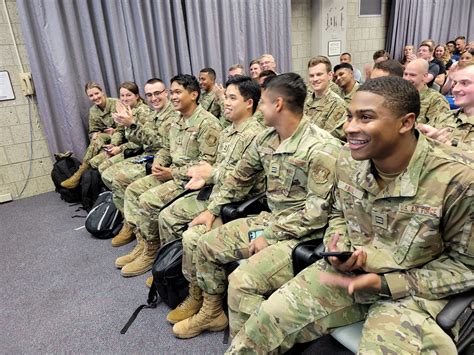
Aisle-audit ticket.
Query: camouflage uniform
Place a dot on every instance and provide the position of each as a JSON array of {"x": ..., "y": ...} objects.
[
  {"x": 98, "y": 121},
  {"x": 141, "y": 112},
  {"x": 300, "y": 175},
  {"x": 417, "y": 231},
  {"x": 462, "y": 134},
  {"x": 327, "y": 112},
  {"x": 233, "y": 142},
  {"x": 191, "y": 140},
  {"x": 348, "y": 97},
  {"x": 432, "y": 105},
  {"x": 211, "y": 103},
  {"x": 153, "y": 135}
]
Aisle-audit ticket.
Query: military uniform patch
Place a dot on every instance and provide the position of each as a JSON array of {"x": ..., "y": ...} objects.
[
  {"x": 320, "y": 175},
  {"x": 211, "y": 140},
  {"x": 420, "y": 209}
]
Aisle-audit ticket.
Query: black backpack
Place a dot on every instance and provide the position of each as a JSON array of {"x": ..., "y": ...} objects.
[
  {"x": 104, "y": 220},
  {"x": 91, "y": 187},
  {"x": 169, "y": 282},
  {"x": 64, "y": 167}
]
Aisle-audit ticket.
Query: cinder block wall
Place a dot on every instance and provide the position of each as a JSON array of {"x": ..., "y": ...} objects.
[
  {"x": 14, "y": 123},
  {"x": 364, "y": 35}
]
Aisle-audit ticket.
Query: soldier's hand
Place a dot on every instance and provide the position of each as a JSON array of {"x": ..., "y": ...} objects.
[
  {"x": 161, "y": 173},
  {"x": 257, "y": 244},
  {"x": 113, "y": 151},
  {"x": 203, "y": 170},
  {"x": 109, "y": 131},
  {"x": 356, "y": 261},
  {"x": 219, "y": 89},
  {"x": 369, "y": 281},
  {"x": 206, "y": 218},
  {"x": 195, "y": 184}
]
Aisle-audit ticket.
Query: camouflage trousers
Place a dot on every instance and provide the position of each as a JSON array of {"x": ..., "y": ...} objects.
[
  {"x": 174, "y": 219},
  {"x": 118, "y": 176},
  {"x": 95, "y": 146},
  {"x": 143, "y": 200},
  {"x": 102, "y": 161},
  {"x": 304, "y": 309}
]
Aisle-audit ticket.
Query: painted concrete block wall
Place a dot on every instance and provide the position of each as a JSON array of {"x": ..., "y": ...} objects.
[{"x": 15, "y": 125}]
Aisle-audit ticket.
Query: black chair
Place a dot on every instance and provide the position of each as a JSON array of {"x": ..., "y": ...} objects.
[
  {"x": 253, "y": 205},
  {"x": 459, "y": 308}
]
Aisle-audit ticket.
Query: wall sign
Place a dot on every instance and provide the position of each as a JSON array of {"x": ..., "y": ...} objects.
[
  {"x": 334, "y": 48},
  {"x": 6, "y": 88}
]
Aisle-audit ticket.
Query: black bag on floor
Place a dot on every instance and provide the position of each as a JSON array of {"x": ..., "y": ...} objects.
[
  {"x": 91, "y": 187},
  {"x": 104, "y": 220},
  {"x": 168, "y": 280},
  {"x": 64, "y": 167}
]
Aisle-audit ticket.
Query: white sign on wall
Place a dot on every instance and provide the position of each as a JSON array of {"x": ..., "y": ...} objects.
[{"x": 6, "y": 88}]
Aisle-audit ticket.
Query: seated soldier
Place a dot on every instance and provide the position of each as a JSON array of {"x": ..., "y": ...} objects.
[
  {"x": 267, "y": 62},
  {"x": 101, "y": 128},
  {"x": 193, "y": 138},
  {"x": 323, "y": 107},
  {"x": 298, "y": 159},
  {"x": 347, "y": 58},
  {"x": 378, "y": 56},
  {"x": 403, "y": 207},
  {"x": 255, "y": 69},
  {"x": 242, "y": 96},
  {"x": 433, "y": 104},
  {"x": 389, "y": 67},
  {"x": 344, "y": 78},
  {"x": 207, "y": 98},
  {"x": 426, "y": 52},
  {"x": 458, "y": 125},
  {"x": 236, "y": 69},
  {"x": 113, "y": 152},
  {"x": 153, "y": 135}
]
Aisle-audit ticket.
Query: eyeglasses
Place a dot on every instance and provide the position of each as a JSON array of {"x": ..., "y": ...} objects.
[{"x": 156, "y": 93}]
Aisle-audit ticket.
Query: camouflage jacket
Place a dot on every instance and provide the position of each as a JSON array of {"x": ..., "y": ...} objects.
[
  {"x": 462, "y": 134},
  {"x": 233, "y": 143},
  {"x": 417, "y": 231},
  {"x": 142, "y": 113},
  {"x": 300, "y": 175},
  {"x": 348, "y": 97},
  {"x": 153, "y": 135},
  {"x": 211, "y": 103},
  {"x": 327, "y": 112},
  {"x": 432, "y": 105},
  {"x": 191, "y": 140},
  {"x": 102, "y": 119}
]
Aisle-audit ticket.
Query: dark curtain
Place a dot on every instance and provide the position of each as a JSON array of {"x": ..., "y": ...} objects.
[{"x": 412, "y": 21}]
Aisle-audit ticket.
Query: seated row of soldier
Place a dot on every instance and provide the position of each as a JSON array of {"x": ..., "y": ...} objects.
[{"x": 398, "y": 195}]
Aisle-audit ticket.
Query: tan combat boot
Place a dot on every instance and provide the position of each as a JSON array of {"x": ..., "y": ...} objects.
[
  {"x": 189, "y": 307},
  {"x": 135, "y": 253},
  {"x": 149, "y": 281},
  {"x": 210, "y": 317},
  {"x": 125, "y": 236},
  {"x": 144, "y": 262},
  {"x": 75, "y": 179}
]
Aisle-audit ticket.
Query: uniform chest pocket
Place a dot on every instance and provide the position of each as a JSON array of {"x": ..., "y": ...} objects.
[
  {"x": 190, "y": 143},
  {"x": 420, "y": 241}
]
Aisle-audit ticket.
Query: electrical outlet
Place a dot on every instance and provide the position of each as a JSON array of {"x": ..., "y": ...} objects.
[
  {"x": 27, "y": 86},
  {"x": 6, "y": 198}
]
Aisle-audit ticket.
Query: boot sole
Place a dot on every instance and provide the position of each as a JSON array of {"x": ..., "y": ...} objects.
[
  {"x": 136, "y": 273},
  {"x": 115, "y": 245},
  {"x": 193, "y": 335}
]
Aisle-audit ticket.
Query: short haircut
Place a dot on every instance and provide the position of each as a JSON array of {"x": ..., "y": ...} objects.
[
  {"x": 248, "y": 88},
  {"x": 267, "y": 73},
  {"x": 188, "y": 82},
  {"x": 154, "y": 81},
  {"x": 92, "y": 85},
  {"x": 236, "y": 66},
  {"x": 426, "y": 44},
  {"x": 451, "y": 42},
  {"x": 343, "y": 66},
  {"x": 460, "y": 37},
  {"x": 380, "y": 53},
  {"x": 346, "y": 53},
  {"x": 292, "y": 89},
  {"x": 320, "y": 59},
  {"x": 463, "y": 65},
  {"x": 210, "y": 71},
  {"x": 392, "y": 67},
  {"x": 400, "y": 95},
  {"x": 267, "y": 55},
  {"x": 254, "y": 61}
]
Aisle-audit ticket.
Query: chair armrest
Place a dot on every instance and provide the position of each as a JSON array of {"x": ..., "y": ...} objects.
[
  {"x": 241, "y": 209},
  {"x": 456, "y": 306},
  {"x": 305, "y": 253}
]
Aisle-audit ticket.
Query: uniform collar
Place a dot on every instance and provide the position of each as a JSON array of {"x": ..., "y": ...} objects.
[
  {"x": 406, "y": 184},
  {"x": 290, "y": 144},
  {"x": 193, "y": 120},
  {"x": 460, "y": 116}
]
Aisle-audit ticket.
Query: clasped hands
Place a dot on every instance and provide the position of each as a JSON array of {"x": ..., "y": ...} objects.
[{"x": 123, "y": 115}]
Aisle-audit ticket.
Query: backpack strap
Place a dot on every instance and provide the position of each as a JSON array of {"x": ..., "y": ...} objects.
[{"x": 152, "y": 302}]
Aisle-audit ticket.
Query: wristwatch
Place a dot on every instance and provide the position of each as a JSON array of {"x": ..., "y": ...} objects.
[{"x": 133, "y": 126}]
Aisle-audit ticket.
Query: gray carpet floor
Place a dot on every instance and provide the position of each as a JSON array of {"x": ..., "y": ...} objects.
[{"x": 60, "y": 291}]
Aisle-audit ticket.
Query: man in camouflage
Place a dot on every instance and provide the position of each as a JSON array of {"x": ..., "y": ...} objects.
[
  {"x": 323, "y": 107},
  {"x": 153, "y": 136},
  {"x": 193, "y": 137},
  {"x": 458, "y": 125},
  {"x": 432, "y": 103},
  {"x": 208, "y": 98},
  {"x": 298, "y": 160},
  {"x": 402, "y": 206},
  {"x": 344, "y": 78},
  {"x": 242, "y": 97}
]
